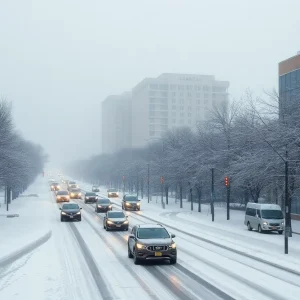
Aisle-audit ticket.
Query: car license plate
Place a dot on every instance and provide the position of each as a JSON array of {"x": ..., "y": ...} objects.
[
  {"x": 273, "y": 227},
  {"x": 158, "y": 254},
  {"x": 118, "y": 225},
  {"x": 71, "y": 217}
]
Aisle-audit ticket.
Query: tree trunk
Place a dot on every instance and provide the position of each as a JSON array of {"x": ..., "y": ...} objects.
[
  {"x": 167, "y": 194},
  {"x": 199, "y": 192},
  {"x": 180, "y": 194}
]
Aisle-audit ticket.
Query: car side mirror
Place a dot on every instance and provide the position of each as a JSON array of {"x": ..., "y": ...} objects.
[
  {"x": 80, "y": 207},
  {"x": 127, "y": 216},
  {"x": 173, "y": 235},
  {"x": 131, "y": 236},
  {"x": 60, "y": 208}
]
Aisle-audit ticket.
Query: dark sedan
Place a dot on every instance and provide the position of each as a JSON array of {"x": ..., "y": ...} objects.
[
  {"x": 55, "y": 186},
  {"x": 131, "y": 202},
  {"x": 103, "y": 205},
  {"x": 90, "y": 197},
  {"x": 70, "y": 212},
  {"x": 115, "y": 220}
]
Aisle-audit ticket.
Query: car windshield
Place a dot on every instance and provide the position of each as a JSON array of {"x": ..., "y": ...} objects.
[
  {"x": 95, "y": 187},
  {"x": 271, "y": 214},
  {"x": 153, "y": 233},
  {"x": 75, "y": 190},
  {"x": 90, "y": 194},
  {"x": 112, "y": 191},
  {"x": 115, "y": 214},
  {"x": 70, "y": 206},
  {"x": 54, "y": 183},
  {"x": 103, "y": 201},
  {"x": 62, "y": 193},
  {"x": 131, "y": 199}
]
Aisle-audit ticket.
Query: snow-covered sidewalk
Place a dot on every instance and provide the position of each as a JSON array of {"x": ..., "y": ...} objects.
[{"x": 30, "y": 228}]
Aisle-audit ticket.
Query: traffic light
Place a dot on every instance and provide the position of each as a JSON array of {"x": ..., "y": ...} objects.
[
  {"x": 123, "y": 178},
  {"x": 162, "y": 179},
  {"x": 226, "y": 180}
]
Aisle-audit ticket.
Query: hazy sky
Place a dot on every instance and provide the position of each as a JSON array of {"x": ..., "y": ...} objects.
[{"x": 60, "y": 58}]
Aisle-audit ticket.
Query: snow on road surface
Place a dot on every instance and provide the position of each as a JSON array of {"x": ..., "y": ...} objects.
[{"x": 82, "y": 261}]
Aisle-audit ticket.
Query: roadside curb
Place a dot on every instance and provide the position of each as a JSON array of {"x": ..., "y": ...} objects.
[{"x": 10, "y": 258}]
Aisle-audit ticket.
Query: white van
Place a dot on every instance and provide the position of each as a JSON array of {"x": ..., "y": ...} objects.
[{"x": 264, "y": 217}]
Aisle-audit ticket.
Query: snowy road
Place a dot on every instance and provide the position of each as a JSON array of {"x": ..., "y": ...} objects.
[{"x": 83, "y": 261}]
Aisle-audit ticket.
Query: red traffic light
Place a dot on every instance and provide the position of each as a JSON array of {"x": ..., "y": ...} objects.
[
  {"x": 226, "y": 180},
  {"x": 162, "y": 179}
]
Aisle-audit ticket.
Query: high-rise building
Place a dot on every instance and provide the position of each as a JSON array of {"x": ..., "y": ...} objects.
[
  {"x": 289, "y": 86},
  {"x": 116, "y": 123},
  {"x": 172, "y": 100}
]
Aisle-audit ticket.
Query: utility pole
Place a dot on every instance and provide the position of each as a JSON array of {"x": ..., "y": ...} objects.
[
  {"x": 287, "y": 213},
  {"x": 191, "y": 196},
  {"x": 148, "y": 183},
  {"x": 212, "y": 207}
]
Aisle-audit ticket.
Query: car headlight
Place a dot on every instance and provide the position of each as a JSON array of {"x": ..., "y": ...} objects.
[
  {"x": 140, "y": 246},
  {"x": 127, "y": 204},
  {"x": 99, "y": 206},
  {"x": 72, "y": 194},
  {"x": 110, "y": 206},
  {"x": 58, "y": 187},
  {"x": 138, "y": 203},
  {"x": 282, "y": 223},
  {"x": 78, "y": 213},
  {"x": 265, "y": 223},
  {"x": 109, "y": 222},
  {"x": 58, "y": 197},
  {"x": 63, "y": 213},
  {"x": 126, "y": 222},
  {"x": 79, "y": 194},
  {"x": 87, "y": 198},
  {"x": 172, "y": 246}
]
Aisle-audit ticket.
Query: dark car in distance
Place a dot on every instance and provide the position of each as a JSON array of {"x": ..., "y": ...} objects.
[
  {"x": 95, "y": 189},
  {"x": 115, "y": 220},
  {"x": 75, "y": 193},
  {"x": 151, "y": 242},
  {"x": 131, "y": 202},
  {"x": 70, "y": 212},
  {"x": 103, "y": 205},
  {"x": 90, "y": 197}
]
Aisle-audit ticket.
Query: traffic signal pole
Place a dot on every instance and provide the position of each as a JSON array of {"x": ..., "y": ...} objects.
[{"x": 227, "y": 184}]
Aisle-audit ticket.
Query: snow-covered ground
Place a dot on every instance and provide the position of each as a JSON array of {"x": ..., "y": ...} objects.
[{"x": 82, "y": 261}]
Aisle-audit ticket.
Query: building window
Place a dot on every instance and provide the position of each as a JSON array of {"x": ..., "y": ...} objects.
[
  {"x": 198, "y": 101},
  {"x": 181, "y": 101},
  {"x": 164, "y": 101},
  {"x": 181, "y": 107},
  {"x": 164, "y": 127},
  {"x": 164, "y": 94},
  {"x": 163, "y": 107},
  {"x": 173, "y": 114},
  {"x": 152, "y": 93},
  {"x": 189, "y": 94},
  {"x": 163, "y": 87},
  {"x": 181, "y": 121},
  {"x": 181, "y": 115},
  {"x": 152, "y": 133},
  {"x": 151, "y": 106},
  {"x": 153, "y": 86},
  {"x": 189, "y": 108},
  {"x": 152, "y": 113},
  {"x": 206, "y": 88},
  {"x": 189, "y": 115},
  {"x": 198, "y": 95},
  {"x": 173, "y": 107},
  {"x": 164, "y": 113},
  {"x": 198, "y": 108},
  {"x": 173, "y": 87},
  {"x": 174, "y": 121},
  {"x": 173, "y": 100},
  {"x": 151, "y": 120},
  {"x": 152, "y": 127},
  {"x": 174, "y": 94},
  {"x": 214, "y": 96},
  {"x": 180, "y": 87},
  {"x": 205, "y": 95}
]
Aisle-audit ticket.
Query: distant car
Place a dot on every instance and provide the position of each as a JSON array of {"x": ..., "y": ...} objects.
[
  {"x": 62, "y": 196},
  {"x": 95, "y": 189},
  {"x": 70, "y": 212},
  {"x": 131, "y": 202},
  {"x": 151, "y": 242},
  {"x": 115, "y": 220},
  {"x": 55, "y": 186},
  {"x": 112, "y": 193},
  {"x": 75, "y": 193},
  {"x": 90, "y": 197},
  {"x": 103, "y": 205},
  {"x": 72, "y": 186}
]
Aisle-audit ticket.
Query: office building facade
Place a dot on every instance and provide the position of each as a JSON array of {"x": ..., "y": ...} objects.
[
  {"x": 173, "y": 100},
  {"x": 289, "y": 86},
  {"x": 116, "y": 123}
]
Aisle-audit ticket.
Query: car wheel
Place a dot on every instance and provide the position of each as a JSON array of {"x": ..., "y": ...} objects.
[
  {"x": 129, "y": 253},
  {"x": 126, "y": 229},
  {"x": 173, "y": 261},
  {"x": 62, "y": 219},
  {"x": 106, "y": 228},
  {"x": 135, "y": 258},
  {"x": 259, "y": 229},
  {"x": 79, "y": 219},
  {"x": 280, "y": 231},
  {"x": 249, "y": 226}
]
